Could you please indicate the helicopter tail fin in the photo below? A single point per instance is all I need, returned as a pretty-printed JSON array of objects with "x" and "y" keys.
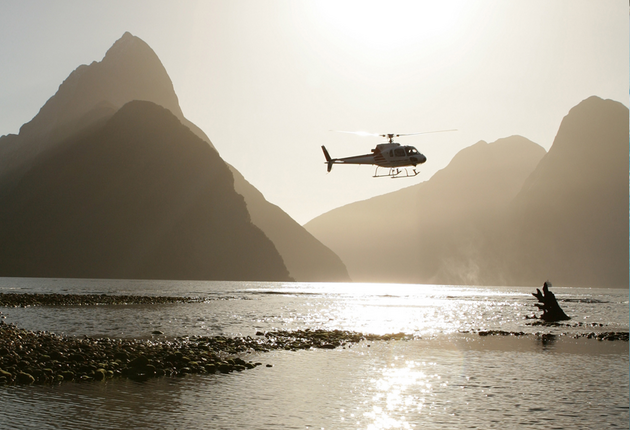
[{"x": 328, "y": 159}]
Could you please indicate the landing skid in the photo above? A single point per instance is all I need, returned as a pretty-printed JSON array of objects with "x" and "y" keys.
[{"x": 396, "y": 173}]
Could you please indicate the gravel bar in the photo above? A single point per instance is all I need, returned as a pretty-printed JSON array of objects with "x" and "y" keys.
[
  {"x": 12, "y": 300},
  {"x": 29, "y": 357}
]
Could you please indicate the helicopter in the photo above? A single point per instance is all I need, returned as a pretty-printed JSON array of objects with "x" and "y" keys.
[{"x": 397, "y": 158}]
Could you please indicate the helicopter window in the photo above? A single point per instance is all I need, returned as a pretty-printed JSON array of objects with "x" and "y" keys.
[
  {"x": 411, "y": 150},
  {"x": 399, "y": 152}
]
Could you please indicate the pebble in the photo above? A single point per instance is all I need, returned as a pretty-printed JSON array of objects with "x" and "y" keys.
[
  {"x": 610, "y": 335},
  {"x": 38, "y": 357},
  {"x": 13, "y": 300}
]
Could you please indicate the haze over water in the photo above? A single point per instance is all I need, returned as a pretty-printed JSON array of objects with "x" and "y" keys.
[{"x": 446, "y": 376}]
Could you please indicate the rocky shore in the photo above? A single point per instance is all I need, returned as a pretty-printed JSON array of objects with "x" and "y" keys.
[
  {"x": 607, "y": 335},
  {"x": 11, "y": 300},
  {"x": 28, "y": 357}
]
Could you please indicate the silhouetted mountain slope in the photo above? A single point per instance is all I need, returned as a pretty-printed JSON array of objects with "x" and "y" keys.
[
  {"x": 140, "y": 197},
  {"x": 130, "y": 71},
  {"x": 306, "y": 257},
  {"x": 436, "y": 231},
  {"x": 570, "y": 221}
]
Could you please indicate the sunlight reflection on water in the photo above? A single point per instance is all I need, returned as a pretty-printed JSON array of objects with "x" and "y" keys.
[
  {"x": 244, "y": 308},
  {"x": 439, "y": 379},
  {"x": 392, "y": 395},
  {"x": 380, "y": 385}
]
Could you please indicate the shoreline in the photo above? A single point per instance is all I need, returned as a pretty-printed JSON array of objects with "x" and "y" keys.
[
  {"x": 40, "y": 357},
  {"x": 14, "y": 300}
]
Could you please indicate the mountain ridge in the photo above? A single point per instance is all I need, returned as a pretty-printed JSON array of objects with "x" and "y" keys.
[
  {"x": 431, "y": 223},
  {"x": 566, "y": 219}
]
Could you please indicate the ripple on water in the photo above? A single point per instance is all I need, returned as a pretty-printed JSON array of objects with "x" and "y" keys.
[{"x": 438, "y": 383}]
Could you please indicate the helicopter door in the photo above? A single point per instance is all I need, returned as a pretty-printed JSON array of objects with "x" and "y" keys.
[{"x": 399, "y": 152}]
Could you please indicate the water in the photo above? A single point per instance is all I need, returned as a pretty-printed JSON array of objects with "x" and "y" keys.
[{"x": 447, "y": 377}]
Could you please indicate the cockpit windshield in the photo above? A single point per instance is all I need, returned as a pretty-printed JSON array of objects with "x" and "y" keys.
[{"x": 411, "y": 150}]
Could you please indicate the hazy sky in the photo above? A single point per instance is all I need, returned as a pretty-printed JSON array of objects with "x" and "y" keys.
[{"x": 268, "y": 80}]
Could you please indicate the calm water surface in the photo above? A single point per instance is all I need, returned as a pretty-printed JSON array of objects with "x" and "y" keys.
[{"x": 444, "y": 378}]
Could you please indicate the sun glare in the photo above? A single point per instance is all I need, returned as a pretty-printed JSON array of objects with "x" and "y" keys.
[
  {"x": 400, "y": 391},
  {"x": 389, "y": 26}
]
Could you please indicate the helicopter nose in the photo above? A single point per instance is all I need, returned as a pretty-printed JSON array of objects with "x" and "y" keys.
[{"x": 421, "y": 159}]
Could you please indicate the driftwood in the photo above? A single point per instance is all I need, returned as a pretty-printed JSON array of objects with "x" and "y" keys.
[{"x": 549, "y": 305}]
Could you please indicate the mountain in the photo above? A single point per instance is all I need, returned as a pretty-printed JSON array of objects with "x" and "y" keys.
[
  {"x": 570, "y": 220},
  {"x": 437, "y": 231},
  {"x": 139, "y": 197},
  {"x": 129, "y": 71},
  {"x": 90, "y": 96},
  {"x": 505, "y": 213},
  {"x": 305, "y": 256}
]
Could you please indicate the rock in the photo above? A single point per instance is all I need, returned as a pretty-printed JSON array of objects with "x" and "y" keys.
[
  {"x": 68, "y": 375},
  {"x": 24, "y": 378},
  {"x": 121, "y": 355},
  {"x": 140, "y": 362},
  {"x": 225, "y": 367},
  {"x": 100, "y": 374},
  {"x": 56, "y": 355}
]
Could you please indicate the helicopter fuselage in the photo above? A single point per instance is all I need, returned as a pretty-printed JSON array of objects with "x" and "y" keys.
[{"x": 389, "y": 155}]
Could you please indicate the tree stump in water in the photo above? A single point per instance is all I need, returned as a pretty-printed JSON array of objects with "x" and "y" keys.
[{"x": 549, "y": 305}]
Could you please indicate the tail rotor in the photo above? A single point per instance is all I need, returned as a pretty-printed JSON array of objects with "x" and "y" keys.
[{"x": 329, "y": 160}]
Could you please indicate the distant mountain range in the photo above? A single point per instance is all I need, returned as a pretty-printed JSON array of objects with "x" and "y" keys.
[
  {"x": 110, "y": 180},
  {"x": 504, "y": 213}
]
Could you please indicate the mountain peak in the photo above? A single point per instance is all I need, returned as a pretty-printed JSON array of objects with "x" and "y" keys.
[
  {"x": 127, "y": 35},
  {"x": 127, "y": 40},
  {"x": 129, "y": 71},
  {"x": 128, "y": 45}
]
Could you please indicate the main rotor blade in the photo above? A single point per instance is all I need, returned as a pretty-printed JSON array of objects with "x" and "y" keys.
[
  {"x": 392, "y": 135},
  {"x": 412, "y": 134},
  {"x": 359, "y": 133}
]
